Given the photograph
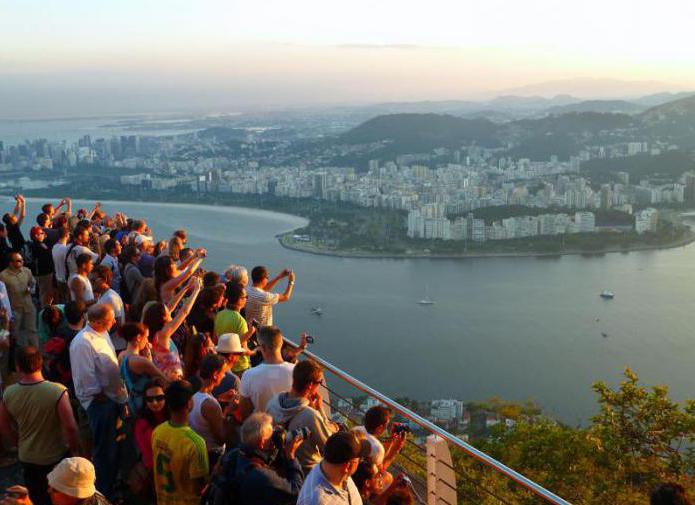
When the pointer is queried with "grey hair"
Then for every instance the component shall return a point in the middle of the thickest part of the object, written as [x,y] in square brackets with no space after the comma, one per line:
[256,427]
[98,312]
[236,273]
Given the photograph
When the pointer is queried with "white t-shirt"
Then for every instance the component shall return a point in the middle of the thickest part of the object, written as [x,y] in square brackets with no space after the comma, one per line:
[110,297]
[88,292]
[58,252]
[378,451]
[259,305]
[261,383]
[76,251]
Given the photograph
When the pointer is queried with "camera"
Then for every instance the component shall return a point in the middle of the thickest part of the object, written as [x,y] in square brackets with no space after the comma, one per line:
[398,428]
[309,339]
[281,438]
[255,323]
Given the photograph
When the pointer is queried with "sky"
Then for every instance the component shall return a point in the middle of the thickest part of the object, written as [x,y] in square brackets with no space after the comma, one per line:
[78,57]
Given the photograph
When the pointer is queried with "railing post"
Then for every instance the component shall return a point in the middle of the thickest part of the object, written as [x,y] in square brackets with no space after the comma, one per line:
[441,478]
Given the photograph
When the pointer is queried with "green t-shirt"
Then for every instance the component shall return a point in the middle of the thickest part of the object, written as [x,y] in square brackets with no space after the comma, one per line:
[230,321]
[34,408]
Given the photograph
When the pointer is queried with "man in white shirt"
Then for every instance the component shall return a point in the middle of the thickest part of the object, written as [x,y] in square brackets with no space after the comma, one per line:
[259,384]
[260,299]
[330,482]
[100,390]
[80,245]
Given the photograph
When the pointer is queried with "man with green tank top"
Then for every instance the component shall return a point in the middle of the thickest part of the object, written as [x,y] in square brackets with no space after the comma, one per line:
[33,413]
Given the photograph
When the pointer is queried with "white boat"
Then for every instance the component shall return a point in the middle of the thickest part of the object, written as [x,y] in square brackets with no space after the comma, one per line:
[426,300]
[607,295]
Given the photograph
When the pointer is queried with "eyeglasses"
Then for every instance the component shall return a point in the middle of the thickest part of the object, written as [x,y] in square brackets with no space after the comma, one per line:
[152,399]
[321,382]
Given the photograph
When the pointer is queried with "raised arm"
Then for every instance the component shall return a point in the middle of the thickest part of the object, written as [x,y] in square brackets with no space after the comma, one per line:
[288,290]
[165,333]
[22,205]
[174,283]
[91,214]
[272,282]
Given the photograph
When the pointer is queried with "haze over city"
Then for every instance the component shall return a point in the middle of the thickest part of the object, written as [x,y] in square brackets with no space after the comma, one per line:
[82,58]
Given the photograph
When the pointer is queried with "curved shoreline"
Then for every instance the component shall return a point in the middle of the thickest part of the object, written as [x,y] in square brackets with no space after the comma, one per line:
[367,255]
[282,238]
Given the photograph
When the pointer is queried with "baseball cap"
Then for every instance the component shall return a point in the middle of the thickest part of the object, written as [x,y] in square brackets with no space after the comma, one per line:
[74,477]
[229,343]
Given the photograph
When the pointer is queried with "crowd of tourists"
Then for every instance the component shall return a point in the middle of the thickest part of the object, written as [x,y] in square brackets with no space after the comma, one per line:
[130,374]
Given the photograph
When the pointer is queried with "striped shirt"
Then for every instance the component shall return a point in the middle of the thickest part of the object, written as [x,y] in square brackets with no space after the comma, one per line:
[259,305]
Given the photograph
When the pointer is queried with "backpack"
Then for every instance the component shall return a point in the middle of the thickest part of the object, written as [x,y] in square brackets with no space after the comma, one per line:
[67,255]
[224,486]
[125,293]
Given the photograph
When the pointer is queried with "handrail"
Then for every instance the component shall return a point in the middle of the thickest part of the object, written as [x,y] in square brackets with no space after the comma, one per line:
[491,462]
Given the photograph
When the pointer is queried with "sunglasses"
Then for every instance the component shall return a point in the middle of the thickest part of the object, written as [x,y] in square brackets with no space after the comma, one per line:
[152,399]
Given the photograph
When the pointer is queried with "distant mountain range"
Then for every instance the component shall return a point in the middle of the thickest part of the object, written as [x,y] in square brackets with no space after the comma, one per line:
[561,131]
[511,107]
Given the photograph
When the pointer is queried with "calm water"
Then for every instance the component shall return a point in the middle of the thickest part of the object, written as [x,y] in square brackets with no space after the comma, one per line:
[517,328]
[16,131]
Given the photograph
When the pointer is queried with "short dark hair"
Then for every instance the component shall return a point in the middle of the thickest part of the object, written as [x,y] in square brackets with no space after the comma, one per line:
[83,259]
[51,316]
[178,394]
[74,311]
[211,364]
[669,493]
[130,252]
[104,272]
[270,336]
[110,245]
[42,219]
[131,331]
[45,207]
[233,292]
[341,447]
[401,496]
[258,273]
[305,373]
[366,470]
[29,359]
[375,417]
[211,279]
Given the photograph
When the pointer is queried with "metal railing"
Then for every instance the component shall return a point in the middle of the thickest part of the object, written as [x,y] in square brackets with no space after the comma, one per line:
[528,486]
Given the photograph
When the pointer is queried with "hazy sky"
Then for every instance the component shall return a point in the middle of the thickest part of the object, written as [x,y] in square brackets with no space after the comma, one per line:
[91,57]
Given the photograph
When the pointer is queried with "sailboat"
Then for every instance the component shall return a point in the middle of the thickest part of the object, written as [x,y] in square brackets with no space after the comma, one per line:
[426,300]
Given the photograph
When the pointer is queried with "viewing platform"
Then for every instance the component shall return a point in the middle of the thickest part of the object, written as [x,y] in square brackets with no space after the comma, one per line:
[444,470]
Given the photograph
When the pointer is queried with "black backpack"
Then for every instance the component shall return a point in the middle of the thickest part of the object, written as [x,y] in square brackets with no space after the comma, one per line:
[223,488]
[125,293]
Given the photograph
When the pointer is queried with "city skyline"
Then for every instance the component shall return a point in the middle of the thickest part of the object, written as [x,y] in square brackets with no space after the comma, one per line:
[131,57]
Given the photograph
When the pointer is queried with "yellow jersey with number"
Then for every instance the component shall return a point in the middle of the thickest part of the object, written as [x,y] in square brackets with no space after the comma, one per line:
[180,458]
